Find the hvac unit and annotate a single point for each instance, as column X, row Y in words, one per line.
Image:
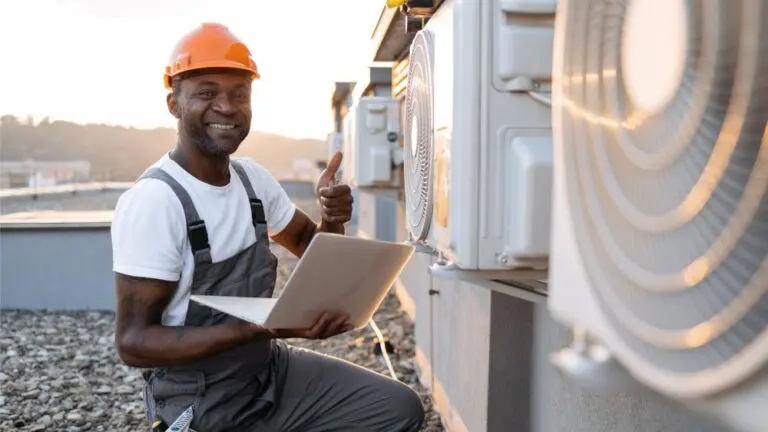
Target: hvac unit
column 372, row 142
column 660, row 213
column 478, row 140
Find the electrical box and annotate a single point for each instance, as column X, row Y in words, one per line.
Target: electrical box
column 371, row 140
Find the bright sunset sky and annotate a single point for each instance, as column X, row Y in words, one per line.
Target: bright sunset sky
column 103, row 60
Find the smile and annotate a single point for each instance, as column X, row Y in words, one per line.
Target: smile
column 221, row 126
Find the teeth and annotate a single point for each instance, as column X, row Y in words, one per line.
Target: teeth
column 221, row 126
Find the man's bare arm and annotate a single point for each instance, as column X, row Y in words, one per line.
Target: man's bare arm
column 141, row 339
column 301, row 229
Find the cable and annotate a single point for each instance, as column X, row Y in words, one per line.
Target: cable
column 383, row 349
column 540, row 97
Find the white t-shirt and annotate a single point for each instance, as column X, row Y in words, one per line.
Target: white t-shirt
column 149, row 236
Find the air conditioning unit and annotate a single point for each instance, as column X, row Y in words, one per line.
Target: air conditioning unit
column 372, row 148
column 478, row 139
column 660, row 212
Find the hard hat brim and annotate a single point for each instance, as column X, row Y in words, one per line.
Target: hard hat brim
column 221, row 64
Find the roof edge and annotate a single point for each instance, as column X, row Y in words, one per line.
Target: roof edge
column 382, row 29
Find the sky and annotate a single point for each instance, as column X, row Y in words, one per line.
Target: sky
column 102, row 61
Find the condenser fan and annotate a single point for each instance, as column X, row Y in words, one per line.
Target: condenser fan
column 419, row 136
column 661, row 108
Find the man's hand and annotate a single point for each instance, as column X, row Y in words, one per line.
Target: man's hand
column 335, row 207
column 328, row 325
column 335, row 199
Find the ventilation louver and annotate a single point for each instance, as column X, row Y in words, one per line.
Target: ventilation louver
column 669, row 203
column 419, row 136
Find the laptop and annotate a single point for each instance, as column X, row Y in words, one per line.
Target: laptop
column 337, row 273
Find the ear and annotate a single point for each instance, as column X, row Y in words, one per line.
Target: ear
column 173, row 106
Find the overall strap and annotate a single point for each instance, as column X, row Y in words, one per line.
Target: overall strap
column 196, row 232
column 257, row 207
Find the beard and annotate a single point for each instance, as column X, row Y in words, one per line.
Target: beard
column 208, row 145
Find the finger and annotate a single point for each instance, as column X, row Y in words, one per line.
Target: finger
column 334, row 163
column 336, row 219
column 340, row 201
column 333, row 218
column 320, row 326
column 337, row 326
column 335, row 203
column 337, row 212
column 336, row 191
column 335, row 215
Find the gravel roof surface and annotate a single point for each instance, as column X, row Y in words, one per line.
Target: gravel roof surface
column 60, row 371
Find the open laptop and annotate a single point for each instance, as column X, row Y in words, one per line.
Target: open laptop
column 337, row 273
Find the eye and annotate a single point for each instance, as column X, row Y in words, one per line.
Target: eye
column 206, row 93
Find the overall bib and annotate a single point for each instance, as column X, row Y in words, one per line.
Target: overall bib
column 234, row 388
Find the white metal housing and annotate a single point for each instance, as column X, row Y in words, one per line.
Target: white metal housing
column 660, row 211
column 478, row 146
column 371, row 141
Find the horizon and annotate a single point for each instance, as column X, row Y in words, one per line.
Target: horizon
column 109, row 57
column 24, row 121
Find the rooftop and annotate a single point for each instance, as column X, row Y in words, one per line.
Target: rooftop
column 60, row 370
column 63, row 189
column 57, row 219
column 390, row 38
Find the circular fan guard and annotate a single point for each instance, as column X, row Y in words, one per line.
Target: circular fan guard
column 669, row 208
column 419, row 137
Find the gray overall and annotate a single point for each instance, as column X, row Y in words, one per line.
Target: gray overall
column 238, row 379
column 265, row 385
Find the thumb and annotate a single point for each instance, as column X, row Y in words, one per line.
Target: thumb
column 334, row 164
column 329, row 174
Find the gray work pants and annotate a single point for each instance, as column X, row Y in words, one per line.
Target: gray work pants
column 323, row 393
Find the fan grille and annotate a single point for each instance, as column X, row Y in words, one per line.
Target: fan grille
column 419, row 137
column 670, row 208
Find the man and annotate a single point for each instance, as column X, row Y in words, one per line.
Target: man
column 197, row 222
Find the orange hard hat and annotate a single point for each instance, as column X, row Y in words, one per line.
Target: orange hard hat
column 211, row 45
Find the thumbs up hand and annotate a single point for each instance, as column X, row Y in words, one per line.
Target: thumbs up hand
column 335, row 199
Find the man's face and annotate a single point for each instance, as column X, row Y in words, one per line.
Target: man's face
column 214, row 110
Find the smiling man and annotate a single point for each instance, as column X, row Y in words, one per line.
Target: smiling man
column 199, row 222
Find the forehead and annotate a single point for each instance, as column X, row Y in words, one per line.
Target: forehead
column 219, row 77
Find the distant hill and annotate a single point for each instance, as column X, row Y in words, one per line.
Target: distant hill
column 123, row 153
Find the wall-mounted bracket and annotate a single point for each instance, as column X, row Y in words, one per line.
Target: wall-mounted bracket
column 591, row 365
column 448, row 270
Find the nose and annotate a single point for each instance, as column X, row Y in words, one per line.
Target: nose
column 223, row 104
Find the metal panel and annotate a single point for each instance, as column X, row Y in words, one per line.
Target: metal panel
column 461, row 352
column 505, row 343
column 559, row 404
column 509, row 376
column 390, row 37
column 58, row 269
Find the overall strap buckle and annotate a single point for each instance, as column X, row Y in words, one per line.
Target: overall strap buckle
column 198, row 236
column 257, row 212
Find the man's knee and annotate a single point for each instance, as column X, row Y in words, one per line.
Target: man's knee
column 408, row 408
